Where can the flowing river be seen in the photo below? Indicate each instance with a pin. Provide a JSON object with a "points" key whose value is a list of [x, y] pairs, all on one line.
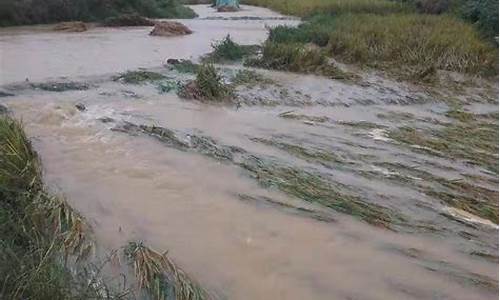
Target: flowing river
{"points": [[245, 225]]}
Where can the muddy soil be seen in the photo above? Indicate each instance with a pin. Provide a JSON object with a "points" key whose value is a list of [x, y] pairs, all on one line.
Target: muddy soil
{"points": [[300, 187]]}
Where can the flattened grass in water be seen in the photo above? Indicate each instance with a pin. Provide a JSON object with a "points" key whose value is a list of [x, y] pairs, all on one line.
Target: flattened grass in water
{"points": [[158, 274], [138, 77], [475, 142], [297, 182], [315, 188]]}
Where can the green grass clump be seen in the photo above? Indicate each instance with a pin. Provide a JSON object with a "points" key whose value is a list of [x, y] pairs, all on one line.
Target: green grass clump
{"points": [[303, 8], [208, 85], [296, 58], [228, 50], [315, 30], [186, 66], [412, 40], [315, 188], [138, 77]]}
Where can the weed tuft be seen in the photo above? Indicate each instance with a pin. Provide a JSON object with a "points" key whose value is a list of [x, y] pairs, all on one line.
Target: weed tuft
{"points": [[228, 50], [208, 85]]}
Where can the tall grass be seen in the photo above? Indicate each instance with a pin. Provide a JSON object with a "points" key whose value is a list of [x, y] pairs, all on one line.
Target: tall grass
{"points": [[303, 8], [38, 233], [295, 57], [44, 242], [412, 40]]}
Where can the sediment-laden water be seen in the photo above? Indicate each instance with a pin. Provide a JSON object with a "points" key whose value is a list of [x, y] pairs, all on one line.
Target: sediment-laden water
{"points": [[303, 187]]}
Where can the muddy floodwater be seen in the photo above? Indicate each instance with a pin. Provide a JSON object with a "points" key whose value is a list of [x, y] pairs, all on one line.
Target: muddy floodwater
{"points": [[241, 194]]}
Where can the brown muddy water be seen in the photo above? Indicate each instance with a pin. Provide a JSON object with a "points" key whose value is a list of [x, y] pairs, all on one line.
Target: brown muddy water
{"points": [[242, 229]]}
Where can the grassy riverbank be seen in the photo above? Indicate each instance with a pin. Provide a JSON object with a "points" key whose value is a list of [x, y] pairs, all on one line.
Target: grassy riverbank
{"points": [[45, 244], [388, 34], [13, 12]]}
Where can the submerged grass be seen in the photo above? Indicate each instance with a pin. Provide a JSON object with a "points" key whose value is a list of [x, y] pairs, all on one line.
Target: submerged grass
{"points": [[138, 77], [297, 182], [475, 142], [472, 139], [315, 188], [61, 86]]}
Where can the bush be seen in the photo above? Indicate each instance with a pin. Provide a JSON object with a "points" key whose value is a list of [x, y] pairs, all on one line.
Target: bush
{"points": [[483, 13], [413, 40], [19, 12], [228, 50]]}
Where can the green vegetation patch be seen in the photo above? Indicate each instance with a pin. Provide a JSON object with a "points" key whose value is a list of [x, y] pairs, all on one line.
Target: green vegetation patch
{"points": [[228, 50], [305, 118], [185, 66], [475, 199], [39, 233], [315, 188], [422, 41], [61, 86], [306, 8], [208, 86], [250, 78], [319, 156], [316, 30], [476, 141], [138, 77], [296, 58]]}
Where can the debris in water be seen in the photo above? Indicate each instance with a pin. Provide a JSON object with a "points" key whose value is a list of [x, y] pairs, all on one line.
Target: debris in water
{"points": [[76, 26], [170, 28], [80, 107], [462, 215]]}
